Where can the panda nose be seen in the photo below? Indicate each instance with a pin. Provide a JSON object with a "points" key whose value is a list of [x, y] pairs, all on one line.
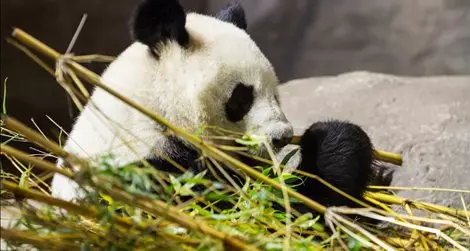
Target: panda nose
{"points": [[283, 139]]}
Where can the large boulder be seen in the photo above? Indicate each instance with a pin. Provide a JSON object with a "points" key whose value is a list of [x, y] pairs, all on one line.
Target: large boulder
{"points": [[425, 119]]}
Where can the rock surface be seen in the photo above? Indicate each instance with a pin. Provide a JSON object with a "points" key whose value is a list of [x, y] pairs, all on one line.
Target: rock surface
{"points": [[305, 38], [425, 119]]}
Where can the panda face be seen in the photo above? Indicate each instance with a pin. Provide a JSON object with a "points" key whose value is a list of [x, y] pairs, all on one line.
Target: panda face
{"points": [[239, 87], [203, 70]]}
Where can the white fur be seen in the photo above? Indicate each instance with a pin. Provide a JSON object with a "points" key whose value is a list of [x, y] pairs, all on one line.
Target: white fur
{"points": [[188, 87]]}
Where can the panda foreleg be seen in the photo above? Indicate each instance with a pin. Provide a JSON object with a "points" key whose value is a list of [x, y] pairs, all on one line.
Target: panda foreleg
{"points": [[340, 153], [179, 152]]}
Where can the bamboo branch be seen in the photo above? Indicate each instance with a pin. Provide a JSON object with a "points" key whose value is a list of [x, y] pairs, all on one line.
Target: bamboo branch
{"points": [[45, 165], [423, 205], [32, 42], [433, 189], [33, 136], [392, 158], [36, 240]]}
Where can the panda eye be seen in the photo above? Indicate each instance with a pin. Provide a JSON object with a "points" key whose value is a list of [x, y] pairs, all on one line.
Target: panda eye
{"points": [[239, 103]]}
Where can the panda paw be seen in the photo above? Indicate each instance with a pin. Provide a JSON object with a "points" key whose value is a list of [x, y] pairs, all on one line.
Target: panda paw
{"points": [[340, 153]]}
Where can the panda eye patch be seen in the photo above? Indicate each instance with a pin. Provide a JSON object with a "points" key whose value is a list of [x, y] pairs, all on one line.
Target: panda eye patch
{"points": [[239, 103]]}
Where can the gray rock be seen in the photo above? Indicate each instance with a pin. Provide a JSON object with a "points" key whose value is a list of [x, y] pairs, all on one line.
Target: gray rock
{"points": [[305, 38], [427, 120]]}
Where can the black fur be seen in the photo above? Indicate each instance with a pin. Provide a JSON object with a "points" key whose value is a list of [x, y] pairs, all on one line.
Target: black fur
{"points": [[190, 159], [340, 153], [156, 21], [239, 103], [179, 152], [235, 14]]}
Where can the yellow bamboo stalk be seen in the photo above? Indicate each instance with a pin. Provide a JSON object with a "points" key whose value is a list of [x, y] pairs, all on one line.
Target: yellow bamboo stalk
{"points": [[296, 140], [434, 189], [41, 197], [36, 240], [217, 154], [33, 136], [90, 212], [330, 186], [391, 199], [32, 42], [380, 155], [392, 158], [45, 165], [32, 56]]}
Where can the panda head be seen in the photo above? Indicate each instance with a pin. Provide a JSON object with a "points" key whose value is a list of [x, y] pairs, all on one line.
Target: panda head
{"points": [[204, 70]]}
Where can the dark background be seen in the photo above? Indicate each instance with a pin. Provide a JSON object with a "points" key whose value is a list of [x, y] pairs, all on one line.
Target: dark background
{"points": [[302, 38]]}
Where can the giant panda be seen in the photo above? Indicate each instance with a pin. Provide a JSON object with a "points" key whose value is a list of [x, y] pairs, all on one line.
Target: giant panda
{"points": [[195, 70]]}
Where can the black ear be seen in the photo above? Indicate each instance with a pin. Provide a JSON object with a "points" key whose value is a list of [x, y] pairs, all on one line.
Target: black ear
{"points": [[233, 13], [159, 21]]}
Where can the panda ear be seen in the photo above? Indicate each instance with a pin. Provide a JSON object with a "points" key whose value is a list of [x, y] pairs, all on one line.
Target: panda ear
{"points": [[159, 21], [233, 13]]}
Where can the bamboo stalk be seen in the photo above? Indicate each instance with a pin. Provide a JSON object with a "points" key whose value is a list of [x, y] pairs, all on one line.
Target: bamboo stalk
{"points": [[90, 212], [44, 198], [94, 79], [391, 199], [330, 186], [32, 56], [380, 155], [420, 189], [45, 165], [33, 136], [392, 158], [32, 42], [36, 240]]}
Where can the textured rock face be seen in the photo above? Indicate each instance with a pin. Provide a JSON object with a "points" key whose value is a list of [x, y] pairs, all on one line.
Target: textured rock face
{"points": [[307, 38], [425, 119]]}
